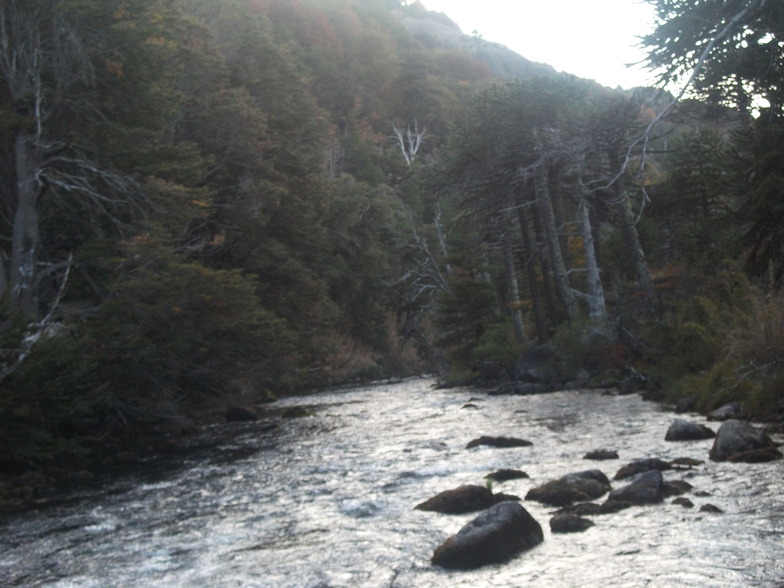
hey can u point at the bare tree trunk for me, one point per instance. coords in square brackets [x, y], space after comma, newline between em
[25, 237]
[596, 303]
[511, 277]
[633, 247]
[554, 252]
[628, 227]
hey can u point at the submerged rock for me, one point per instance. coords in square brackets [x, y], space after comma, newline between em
[498, 442]
[681, 430]
[577, 487]
[647, 488]
[569, 523]
[601, 454]
[739, 441]
[495, 536]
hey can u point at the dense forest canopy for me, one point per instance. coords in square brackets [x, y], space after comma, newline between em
[209, 203]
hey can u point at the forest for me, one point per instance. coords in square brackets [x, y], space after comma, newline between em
[215, 203]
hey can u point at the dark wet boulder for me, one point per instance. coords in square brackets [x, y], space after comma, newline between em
[676, 488]
[710, 508]
[732, 410]
[580, 509]
[647, 488]
[569, 523]
[681, 430]
[466, 498]
[463, 499]
[740, 441]
[577, 487]
[612, 506]
[506, 474]
[495, 536]
[601, 454]
[498, 442]
[684, 502]
[686, 463]
[642, 465]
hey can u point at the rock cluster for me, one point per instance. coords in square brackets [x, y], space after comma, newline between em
[505, 528]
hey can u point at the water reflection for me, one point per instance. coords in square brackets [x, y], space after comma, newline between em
[328, 500]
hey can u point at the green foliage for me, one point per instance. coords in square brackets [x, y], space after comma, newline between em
[745, 38]
[174, 331]
[51, 402]
[469, 321]
[497, 344]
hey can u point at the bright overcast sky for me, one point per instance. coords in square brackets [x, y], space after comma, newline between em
[591, 39]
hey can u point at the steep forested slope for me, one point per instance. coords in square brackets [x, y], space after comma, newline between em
[212, 202]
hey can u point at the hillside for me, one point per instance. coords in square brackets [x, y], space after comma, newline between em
[212, 204]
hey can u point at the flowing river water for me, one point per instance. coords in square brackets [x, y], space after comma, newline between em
[328, 501]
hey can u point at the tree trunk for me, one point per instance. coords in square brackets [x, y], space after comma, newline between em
[632, 241]
[511, 277]
[554, 252]
[25, 234]
[596, 303]
[548, 282]
[628, 226]
[529, 262]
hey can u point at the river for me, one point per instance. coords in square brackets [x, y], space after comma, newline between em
[328, 501]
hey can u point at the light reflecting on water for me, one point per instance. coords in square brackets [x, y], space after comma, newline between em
[327, 501]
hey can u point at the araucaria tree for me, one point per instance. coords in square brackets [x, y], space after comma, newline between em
[731, 54]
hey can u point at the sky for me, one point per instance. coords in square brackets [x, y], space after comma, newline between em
[592, 39]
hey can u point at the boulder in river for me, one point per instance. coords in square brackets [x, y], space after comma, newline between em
[681, 430]
[677, 487]
[466, 498]
[577, 487]
[601, 454]
[569, 523]
[642, 465]
[495, 536]
[506, 474]
[740, 441]
[647, 488]
[498, 442]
